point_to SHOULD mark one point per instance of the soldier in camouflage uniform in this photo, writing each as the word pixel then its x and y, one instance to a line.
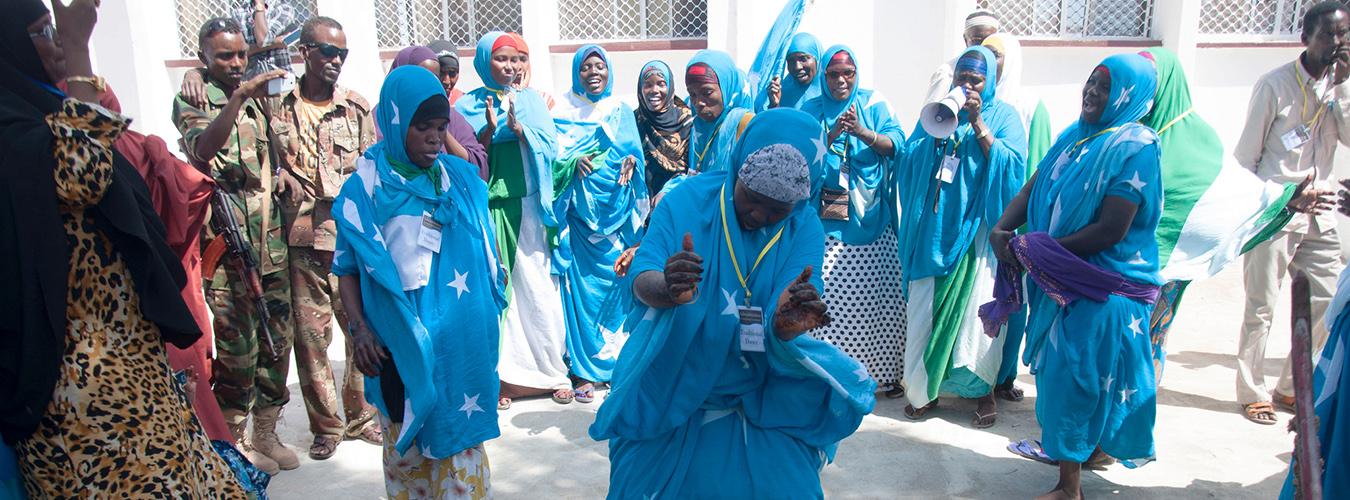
pixel 321 129
pixel 228 136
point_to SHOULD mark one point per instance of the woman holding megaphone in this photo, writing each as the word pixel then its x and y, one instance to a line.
pixel 952 189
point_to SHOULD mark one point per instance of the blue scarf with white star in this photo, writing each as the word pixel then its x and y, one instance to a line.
pixel 432 302
pixel 683 361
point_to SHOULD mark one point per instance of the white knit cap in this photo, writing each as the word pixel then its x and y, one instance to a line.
pixel 777 171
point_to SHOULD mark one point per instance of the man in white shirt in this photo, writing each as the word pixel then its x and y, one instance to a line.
pixel 979 25
pixel 1298 112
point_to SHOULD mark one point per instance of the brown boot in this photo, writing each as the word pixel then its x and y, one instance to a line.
pixel 265 438
pixel 258 460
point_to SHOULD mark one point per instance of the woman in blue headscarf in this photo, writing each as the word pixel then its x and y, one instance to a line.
pixel 603 208
pixel 857 208
pixel 1091 210
pixel 421 283
pixel 803 80
pixel 952 190
pixel 721 102
pixel 717 393
pixel 515 126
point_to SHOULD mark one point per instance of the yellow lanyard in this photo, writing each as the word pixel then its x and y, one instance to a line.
pixel 1088 138
pixel 1174 121
pixel 706 146
pixel 736 263
pixel 1303 103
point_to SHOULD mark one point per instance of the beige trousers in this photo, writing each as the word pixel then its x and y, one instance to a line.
pixel 1315 251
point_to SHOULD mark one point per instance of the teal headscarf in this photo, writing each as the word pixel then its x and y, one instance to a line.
pixel 871 176
pixel 936 234
pixel 990 67
pixel 711 142
pixel 682 361
pixel 579 87
pixel 795 93
pixel 531 111
pixel 403 91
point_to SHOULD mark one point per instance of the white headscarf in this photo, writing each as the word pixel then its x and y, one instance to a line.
pixel 1010 81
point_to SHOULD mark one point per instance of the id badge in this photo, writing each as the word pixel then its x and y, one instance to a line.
pixel 1296 137
pixel 430 235
pixel 751 328
pixel 843 175
pixel 948 170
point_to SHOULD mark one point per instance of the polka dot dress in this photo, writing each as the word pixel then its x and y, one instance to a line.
pixel 862 289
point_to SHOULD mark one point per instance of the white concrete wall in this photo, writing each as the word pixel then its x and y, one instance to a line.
pixel 898 43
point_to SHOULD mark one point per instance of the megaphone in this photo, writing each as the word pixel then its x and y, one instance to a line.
pixel 939 118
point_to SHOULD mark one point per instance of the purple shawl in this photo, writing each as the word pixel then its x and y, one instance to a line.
pixel 459 127
pixel 1062 275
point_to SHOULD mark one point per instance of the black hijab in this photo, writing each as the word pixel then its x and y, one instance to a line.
pixel 34 255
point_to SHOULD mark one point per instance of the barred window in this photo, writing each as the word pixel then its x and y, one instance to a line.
pixel 1281 18
pixel 580 20
pixel 284 18
pixel 400 23
pixel 1074 18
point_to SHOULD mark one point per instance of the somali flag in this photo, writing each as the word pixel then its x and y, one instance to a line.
pixel 772 56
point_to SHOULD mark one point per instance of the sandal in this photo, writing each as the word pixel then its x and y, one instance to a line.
pixel 896 392
pixel 1031 449
pixel 503 403
pixel 585 393
pixel 563 396
pixel 919 414
pixel 1099 461
pixel 979 422
pixel 1261 412
pixel 324 447
pixel 370 434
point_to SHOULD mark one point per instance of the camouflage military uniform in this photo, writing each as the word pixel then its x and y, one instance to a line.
pixel 321 156
pixel 246 377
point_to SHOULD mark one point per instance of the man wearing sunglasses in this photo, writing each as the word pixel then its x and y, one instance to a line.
pixel 321 129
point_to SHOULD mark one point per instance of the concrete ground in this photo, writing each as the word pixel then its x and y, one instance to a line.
pixel 1206 449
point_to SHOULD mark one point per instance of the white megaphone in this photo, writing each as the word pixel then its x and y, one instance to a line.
pixel 939 118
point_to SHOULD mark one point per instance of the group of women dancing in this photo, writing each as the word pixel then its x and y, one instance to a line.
pixel 746 280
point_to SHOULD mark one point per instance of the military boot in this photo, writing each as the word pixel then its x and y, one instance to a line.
pixel 255 457
pixel 265 438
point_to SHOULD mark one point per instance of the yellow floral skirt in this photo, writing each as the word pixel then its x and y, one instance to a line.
pixel 411 475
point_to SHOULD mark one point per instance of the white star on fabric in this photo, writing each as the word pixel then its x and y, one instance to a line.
pixel 614 340
pixel 745 363
pixel 650 314
pixel 460 284
pixel 1084 152
pixel 861 372
pixel 1124 97
pixel 1055 213
pixel 613 240
pixel 1139 258
pixel 470 405
pixel 1135 326
pixel 819 143
pixel 1126 393
pixel 394 106
pixel 731 303
pixel 1136 183
pixel 1331 370
pixel 1106 383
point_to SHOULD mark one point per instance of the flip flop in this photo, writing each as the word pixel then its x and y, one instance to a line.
pixel 913 413
pixel 1260 408
pixel 1031 449
pixel 980 417
pixel 584 394
pixel 503 403
pixel 562 400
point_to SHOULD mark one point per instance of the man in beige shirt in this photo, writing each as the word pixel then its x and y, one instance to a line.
pixel 1298 112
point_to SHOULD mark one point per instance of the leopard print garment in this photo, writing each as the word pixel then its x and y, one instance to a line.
pixel 116 426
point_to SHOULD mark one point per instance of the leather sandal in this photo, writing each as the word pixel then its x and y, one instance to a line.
pixel 324 447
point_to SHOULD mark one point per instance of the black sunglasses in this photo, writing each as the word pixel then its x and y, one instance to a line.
pixel 329 50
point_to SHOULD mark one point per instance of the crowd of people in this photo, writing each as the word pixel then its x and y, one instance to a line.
pixel 745 270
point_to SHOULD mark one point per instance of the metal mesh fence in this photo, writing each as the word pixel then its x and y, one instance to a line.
pixel 284 17
pixel 1074 18
pixel 400 23
pixel 1253 17
pixel 632 19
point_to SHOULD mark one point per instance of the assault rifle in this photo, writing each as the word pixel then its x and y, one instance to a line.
pixel 227 229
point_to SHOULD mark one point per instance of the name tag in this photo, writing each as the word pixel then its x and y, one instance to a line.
pixel 948 170
pixel 1296 138
pixel 751 328
pixel 430 235
pixel 843 175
